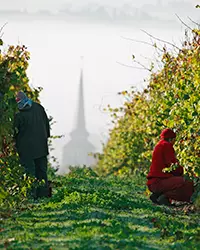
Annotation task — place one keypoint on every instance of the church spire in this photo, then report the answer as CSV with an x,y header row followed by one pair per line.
x,y
80,123
76,151
80,127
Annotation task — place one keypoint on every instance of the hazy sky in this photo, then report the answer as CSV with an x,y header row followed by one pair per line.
x,y
56,48
52,4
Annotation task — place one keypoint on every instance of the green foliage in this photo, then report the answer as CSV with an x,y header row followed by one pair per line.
x,y
13,65
171,99
91,212
13,191
13,78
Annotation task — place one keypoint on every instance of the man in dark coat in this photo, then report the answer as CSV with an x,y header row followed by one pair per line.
x,y
31,133
172,185
1,105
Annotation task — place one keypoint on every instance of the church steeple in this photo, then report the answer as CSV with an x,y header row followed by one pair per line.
x,y
80,127
76,151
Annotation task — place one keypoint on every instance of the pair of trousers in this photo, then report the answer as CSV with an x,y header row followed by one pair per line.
x,y
37,168
175,188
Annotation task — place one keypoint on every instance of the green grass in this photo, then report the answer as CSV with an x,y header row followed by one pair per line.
x,y
88,212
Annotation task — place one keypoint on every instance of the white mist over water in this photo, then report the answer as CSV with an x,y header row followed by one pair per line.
x,y
56,48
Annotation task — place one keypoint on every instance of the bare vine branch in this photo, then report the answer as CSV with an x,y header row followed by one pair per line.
x,y
198,24
129,66
1,29
183,23
143,66
138,41
161,40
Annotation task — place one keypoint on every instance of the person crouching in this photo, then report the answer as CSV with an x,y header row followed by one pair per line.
x,y
171,185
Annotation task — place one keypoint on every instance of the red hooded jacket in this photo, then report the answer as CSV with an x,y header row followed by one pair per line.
x,y
163,156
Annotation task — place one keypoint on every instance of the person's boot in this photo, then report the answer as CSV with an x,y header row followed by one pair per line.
x,y
50,185
154,197
163,200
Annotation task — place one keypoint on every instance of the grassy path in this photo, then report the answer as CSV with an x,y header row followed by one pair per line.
x,y
87,212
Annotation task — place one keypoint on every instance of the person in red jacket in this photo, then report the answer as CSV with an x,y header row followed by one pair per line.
x,y
166,186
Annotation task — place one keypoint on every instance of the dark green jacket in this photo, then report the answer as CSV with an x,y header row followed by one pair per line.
x,y
31,132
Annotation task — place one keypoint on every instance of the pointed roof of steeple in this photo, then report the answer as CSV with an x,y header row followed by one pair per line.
x,y
80,127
